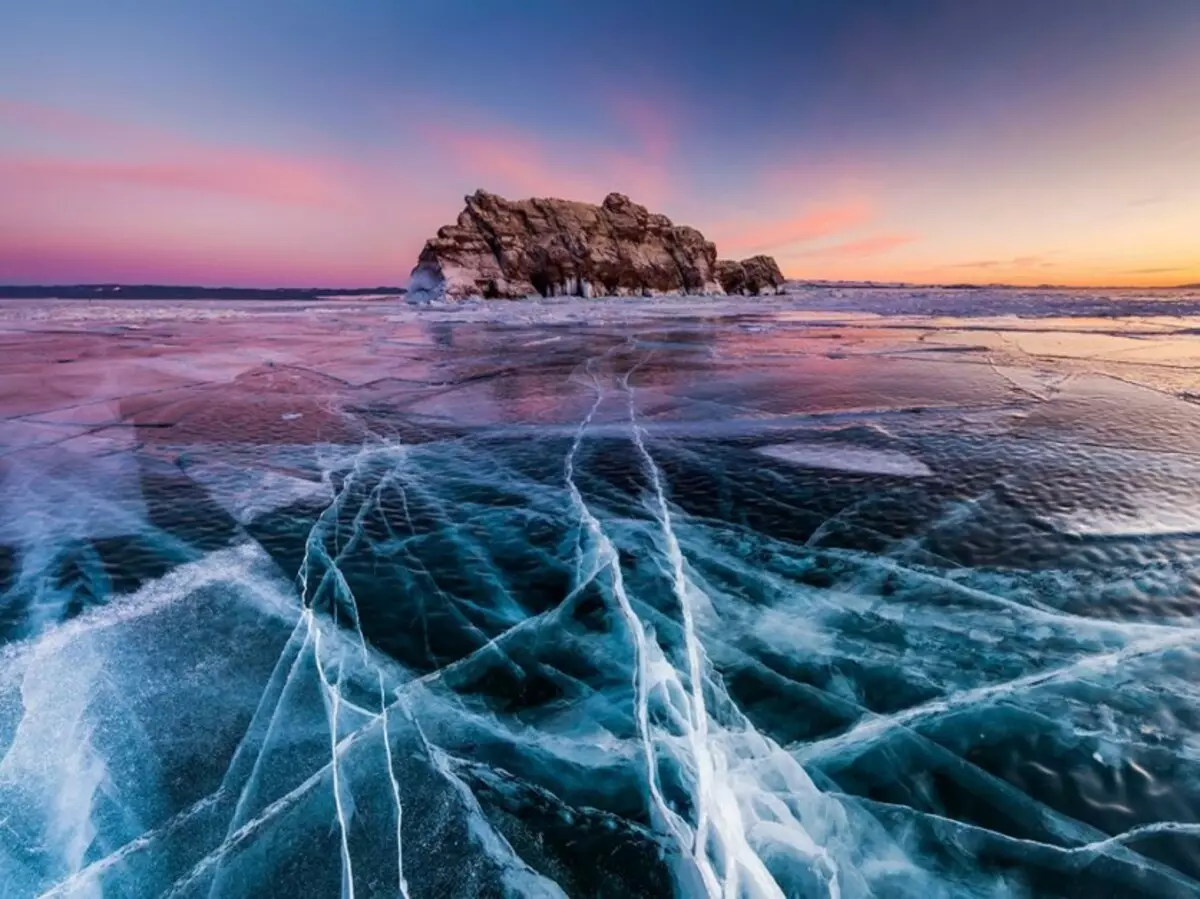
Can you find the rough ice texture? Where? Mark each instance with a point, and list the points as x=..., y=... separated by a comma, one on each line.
x=341, y=599
x=511, y=249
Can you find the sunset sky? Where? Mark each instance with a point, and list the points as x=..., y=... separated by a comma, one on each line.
x=309, y=142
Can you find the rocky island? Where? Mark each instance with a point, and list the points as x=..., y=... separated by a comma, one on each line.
x=512, y=249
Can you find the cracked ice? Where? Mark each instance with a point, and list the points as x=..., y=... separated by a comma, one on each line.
x=642, y=598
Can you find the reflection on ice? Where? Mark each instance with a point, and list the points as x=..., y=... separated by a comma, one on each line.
x=841, y=457
x=664, y=604
x=1155, y=516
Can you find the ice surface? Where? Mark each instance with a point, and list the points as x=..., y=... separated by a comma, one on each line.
x=843, y=593
x=842, y=457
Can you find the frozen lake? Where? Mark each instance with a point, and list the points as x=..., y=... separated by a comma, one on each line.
x=846, y=593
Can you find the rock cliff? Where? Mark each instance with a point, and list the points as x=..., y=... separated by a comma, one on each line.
x=507, y=249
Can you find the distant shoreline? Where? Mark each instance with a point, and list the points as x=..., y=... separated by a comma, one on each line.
x=189, y=292
x=186, y=292
x=906, y=285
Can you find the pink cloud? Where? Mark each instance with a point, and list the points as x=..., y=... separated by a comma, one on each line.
x=507, y=159
x=646, y=122
x=755, y=237
x=799, y=176
x=149, y=157
x=504, y=160
x=252, y=177
x=225, y=260
x=857, y=249
x=64, y=122
x=519, y=162
x=89, y=199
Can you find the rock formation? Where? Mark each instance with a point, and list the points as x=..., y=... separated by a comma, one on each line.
x=508, y=249
x=756, y=275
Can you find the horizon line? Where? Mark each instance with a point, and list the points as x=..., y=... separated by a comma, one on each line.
x=382, y=288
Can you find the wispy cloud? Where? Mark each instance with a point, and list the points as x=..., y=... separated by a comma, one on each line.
x=503, y=157
x=1154, y=271
x=108, y=152
x=228, y=259
x=253, y=177
x=1014, y=262
x=518, y=162
x=757, y=237
x=69, y=123
x=645, y=122
x=858, y=249
x=88, y=198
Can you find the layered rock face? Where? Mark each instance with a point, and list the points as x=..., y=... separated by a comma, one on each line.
x=509, y=249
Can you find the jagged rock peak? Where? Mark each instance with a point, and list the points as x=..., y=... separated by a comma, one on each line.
x=500, y=248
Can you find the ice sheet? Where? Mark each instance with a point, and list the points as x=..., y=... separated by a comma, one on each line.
x=843, y=593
